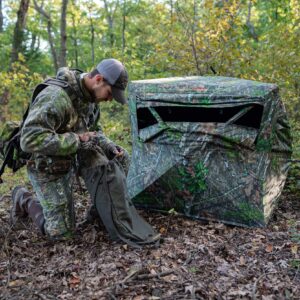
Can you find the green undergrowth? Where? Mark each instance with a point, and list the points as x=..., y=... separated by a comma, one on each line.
x=11, y=179
x=294, y=230
x=115, y=123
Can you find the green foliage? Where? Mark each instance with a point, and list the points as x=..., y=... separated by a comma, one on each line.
x=11, y=179
x=117, y=129
x=193, y=178
x=17, y=85
x=295, y=238
x=296, y=138
x=246, y=213
x=293, y=183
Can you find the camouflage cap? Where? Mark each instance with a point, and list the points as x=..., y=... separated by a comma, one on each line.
x=116, y=75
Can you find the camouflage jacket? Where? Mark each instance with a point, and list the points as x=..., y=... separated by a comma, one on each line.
x=55, y=119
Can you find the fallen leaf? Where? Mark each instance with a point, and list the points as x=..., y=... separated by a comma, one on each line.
x=140, y=297
x=242, y=261
x=190, y=289
x=74, y=280
x=223, y=269
x=156, y=254
x=41, y=278
x=260, y=237
x=267, y=297
x=16, y=283
x=162, y=230
x=269, y=248
x=170, y=278
x=153, y=272
x=283, y=263
x=294, y=249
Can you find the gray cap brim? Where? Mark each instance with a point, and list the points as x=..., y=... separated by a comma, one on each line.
x=119, y=95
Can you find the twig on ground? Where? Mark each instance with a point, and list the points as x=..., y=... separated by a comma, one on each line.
x=253, y=297
x=131, y=276
x=112, y=296
x=43, y=297
x=296, y=273
x=190, y=257
x=157, y=275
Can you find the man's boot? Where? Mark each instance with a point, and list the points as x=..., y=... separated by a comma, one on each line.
x=24, y=205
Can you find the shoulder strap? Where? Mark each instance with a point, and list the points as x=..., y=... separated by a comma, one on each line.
x=77, y=70
x=48, y=82
x=55, y=82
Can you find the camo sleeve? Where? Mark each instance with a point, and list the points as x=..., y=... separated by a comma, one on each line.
x=50, y=112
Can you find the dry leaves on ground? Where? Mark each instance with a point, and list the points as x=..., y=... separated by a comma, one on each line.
x=196, y=261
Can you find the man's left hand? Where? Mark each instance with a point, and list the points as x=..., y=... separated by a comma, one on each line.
x=118, y=151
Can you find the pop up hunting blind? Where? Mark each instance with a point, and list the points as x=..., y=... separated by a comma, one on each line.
x=214, y=148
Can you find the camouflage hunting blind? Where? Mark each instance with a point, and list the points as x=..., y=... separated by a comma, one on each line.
x=213, y=148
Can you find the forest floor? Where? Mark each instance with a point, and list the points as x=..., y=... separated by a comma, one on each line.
x=195, y=261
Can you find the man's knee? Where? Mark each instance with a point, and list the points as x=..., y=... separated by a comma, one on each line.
x=55, y=198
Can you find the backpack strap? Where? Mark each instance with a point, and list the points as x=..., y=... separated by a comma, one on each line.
x=55, y=82
x=50, y=82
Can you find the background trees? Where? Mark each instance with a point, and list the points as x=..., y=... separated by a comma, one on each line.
x=242, y=38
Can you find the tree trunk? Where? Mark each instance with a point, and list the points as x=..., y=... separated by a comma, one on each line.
x=49, y=30
x=110, y=20
x=19, y=30
x=1, y=17
x=51, y=42
x=74, y=38
x=189, y=20
x=63, y=34
x=193, y=38
x=92, y=27
x=249, y=24
x=33, y=41
x=123, y=29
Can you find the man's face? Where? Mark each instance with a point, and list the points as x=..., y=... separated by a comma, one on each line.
x=101, y=90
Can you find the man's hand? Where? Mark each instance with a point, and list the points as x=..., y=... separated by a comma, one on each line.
x=88, y=141
x=118, y=151
x=113, y=151
x=86, y=136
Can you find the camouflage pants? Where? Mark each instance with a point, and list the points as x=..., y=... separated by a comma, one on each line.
x=55, y=195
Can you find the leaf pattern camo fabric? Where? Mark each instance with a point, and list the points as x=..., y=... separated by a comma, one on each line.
x=214, y=148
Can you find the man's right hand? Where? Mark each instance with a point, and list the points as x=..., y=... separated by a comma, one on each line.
x=88, y=141
x=86, y=136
